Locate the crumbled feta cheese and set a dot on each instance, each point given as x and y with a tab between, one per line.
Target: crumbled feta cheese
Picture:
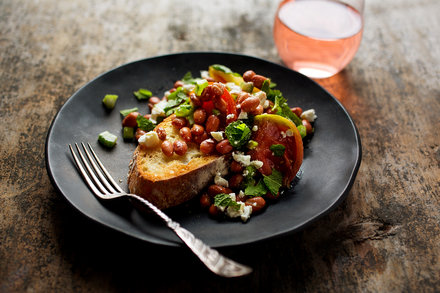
309	115
219	180
246	214
266	104
233	88
245	172
157	111
243	115
217	135
244	160
257	164
149	139
255	128
262	97
283	134
230	116
241	194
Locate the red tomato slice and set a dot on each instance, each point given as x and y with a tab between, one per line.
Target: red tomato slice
274	129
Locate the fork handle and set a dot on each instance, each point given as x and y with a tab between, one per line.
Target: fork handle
216	262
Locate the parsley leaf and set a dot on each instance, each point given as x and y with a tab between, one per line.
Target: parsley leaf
144	123
258	189
238	133
223	200
277	149
143	94
283	109
273	182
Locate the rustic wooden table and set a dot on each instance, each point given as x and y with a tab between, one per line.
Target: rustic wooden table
385	237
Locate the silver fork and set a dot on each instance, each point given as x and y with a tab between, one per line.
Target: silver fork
104	187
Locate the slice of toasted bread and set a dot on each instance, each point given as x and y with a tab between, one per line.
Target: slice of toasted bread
170	181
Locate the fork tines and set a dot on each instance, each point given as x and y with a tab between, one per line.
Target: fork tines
97	177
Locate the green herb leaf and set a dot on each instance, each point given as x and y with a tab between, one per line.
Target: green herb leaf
277	149
282	108
258	189
184	110
125	112
265	87
187	78
238	133
144	123
224	200
221	68
201	84
273	182
143	94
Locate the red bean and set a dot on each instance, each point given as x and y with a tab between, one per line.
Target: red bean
205	201
224	147
197	130
167	148
213	211
200	116
218	89
241	97
250	104
207	146
195	100
259	110
236	167
154	100
247	76
215	189
308	126
257	203
258	80
139	132
161	133
130	120
185	133
212	124
199	138
180	147
297	111
179	122
235	181
178	84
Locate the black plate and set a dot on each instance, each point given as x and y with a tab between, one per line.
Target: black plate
331	158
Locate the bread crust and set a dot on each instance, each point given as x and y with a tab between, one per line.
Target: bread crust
168	182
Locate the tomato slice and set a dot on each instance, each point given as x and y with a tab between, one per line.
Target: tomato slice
274	129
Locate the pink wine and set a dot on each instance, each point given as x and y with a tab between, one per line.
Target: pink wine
317	37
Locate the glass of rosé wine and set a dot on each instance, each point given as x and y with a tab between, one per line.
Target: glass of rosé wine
318	37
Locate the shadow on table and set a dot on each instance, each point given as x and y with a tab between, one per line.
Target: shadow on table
98	255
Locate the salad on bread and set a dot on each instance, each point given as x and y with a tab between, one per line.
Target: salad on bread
230	139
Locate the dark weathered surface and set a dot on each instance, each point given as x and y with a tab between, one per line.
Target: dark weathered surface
384	237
